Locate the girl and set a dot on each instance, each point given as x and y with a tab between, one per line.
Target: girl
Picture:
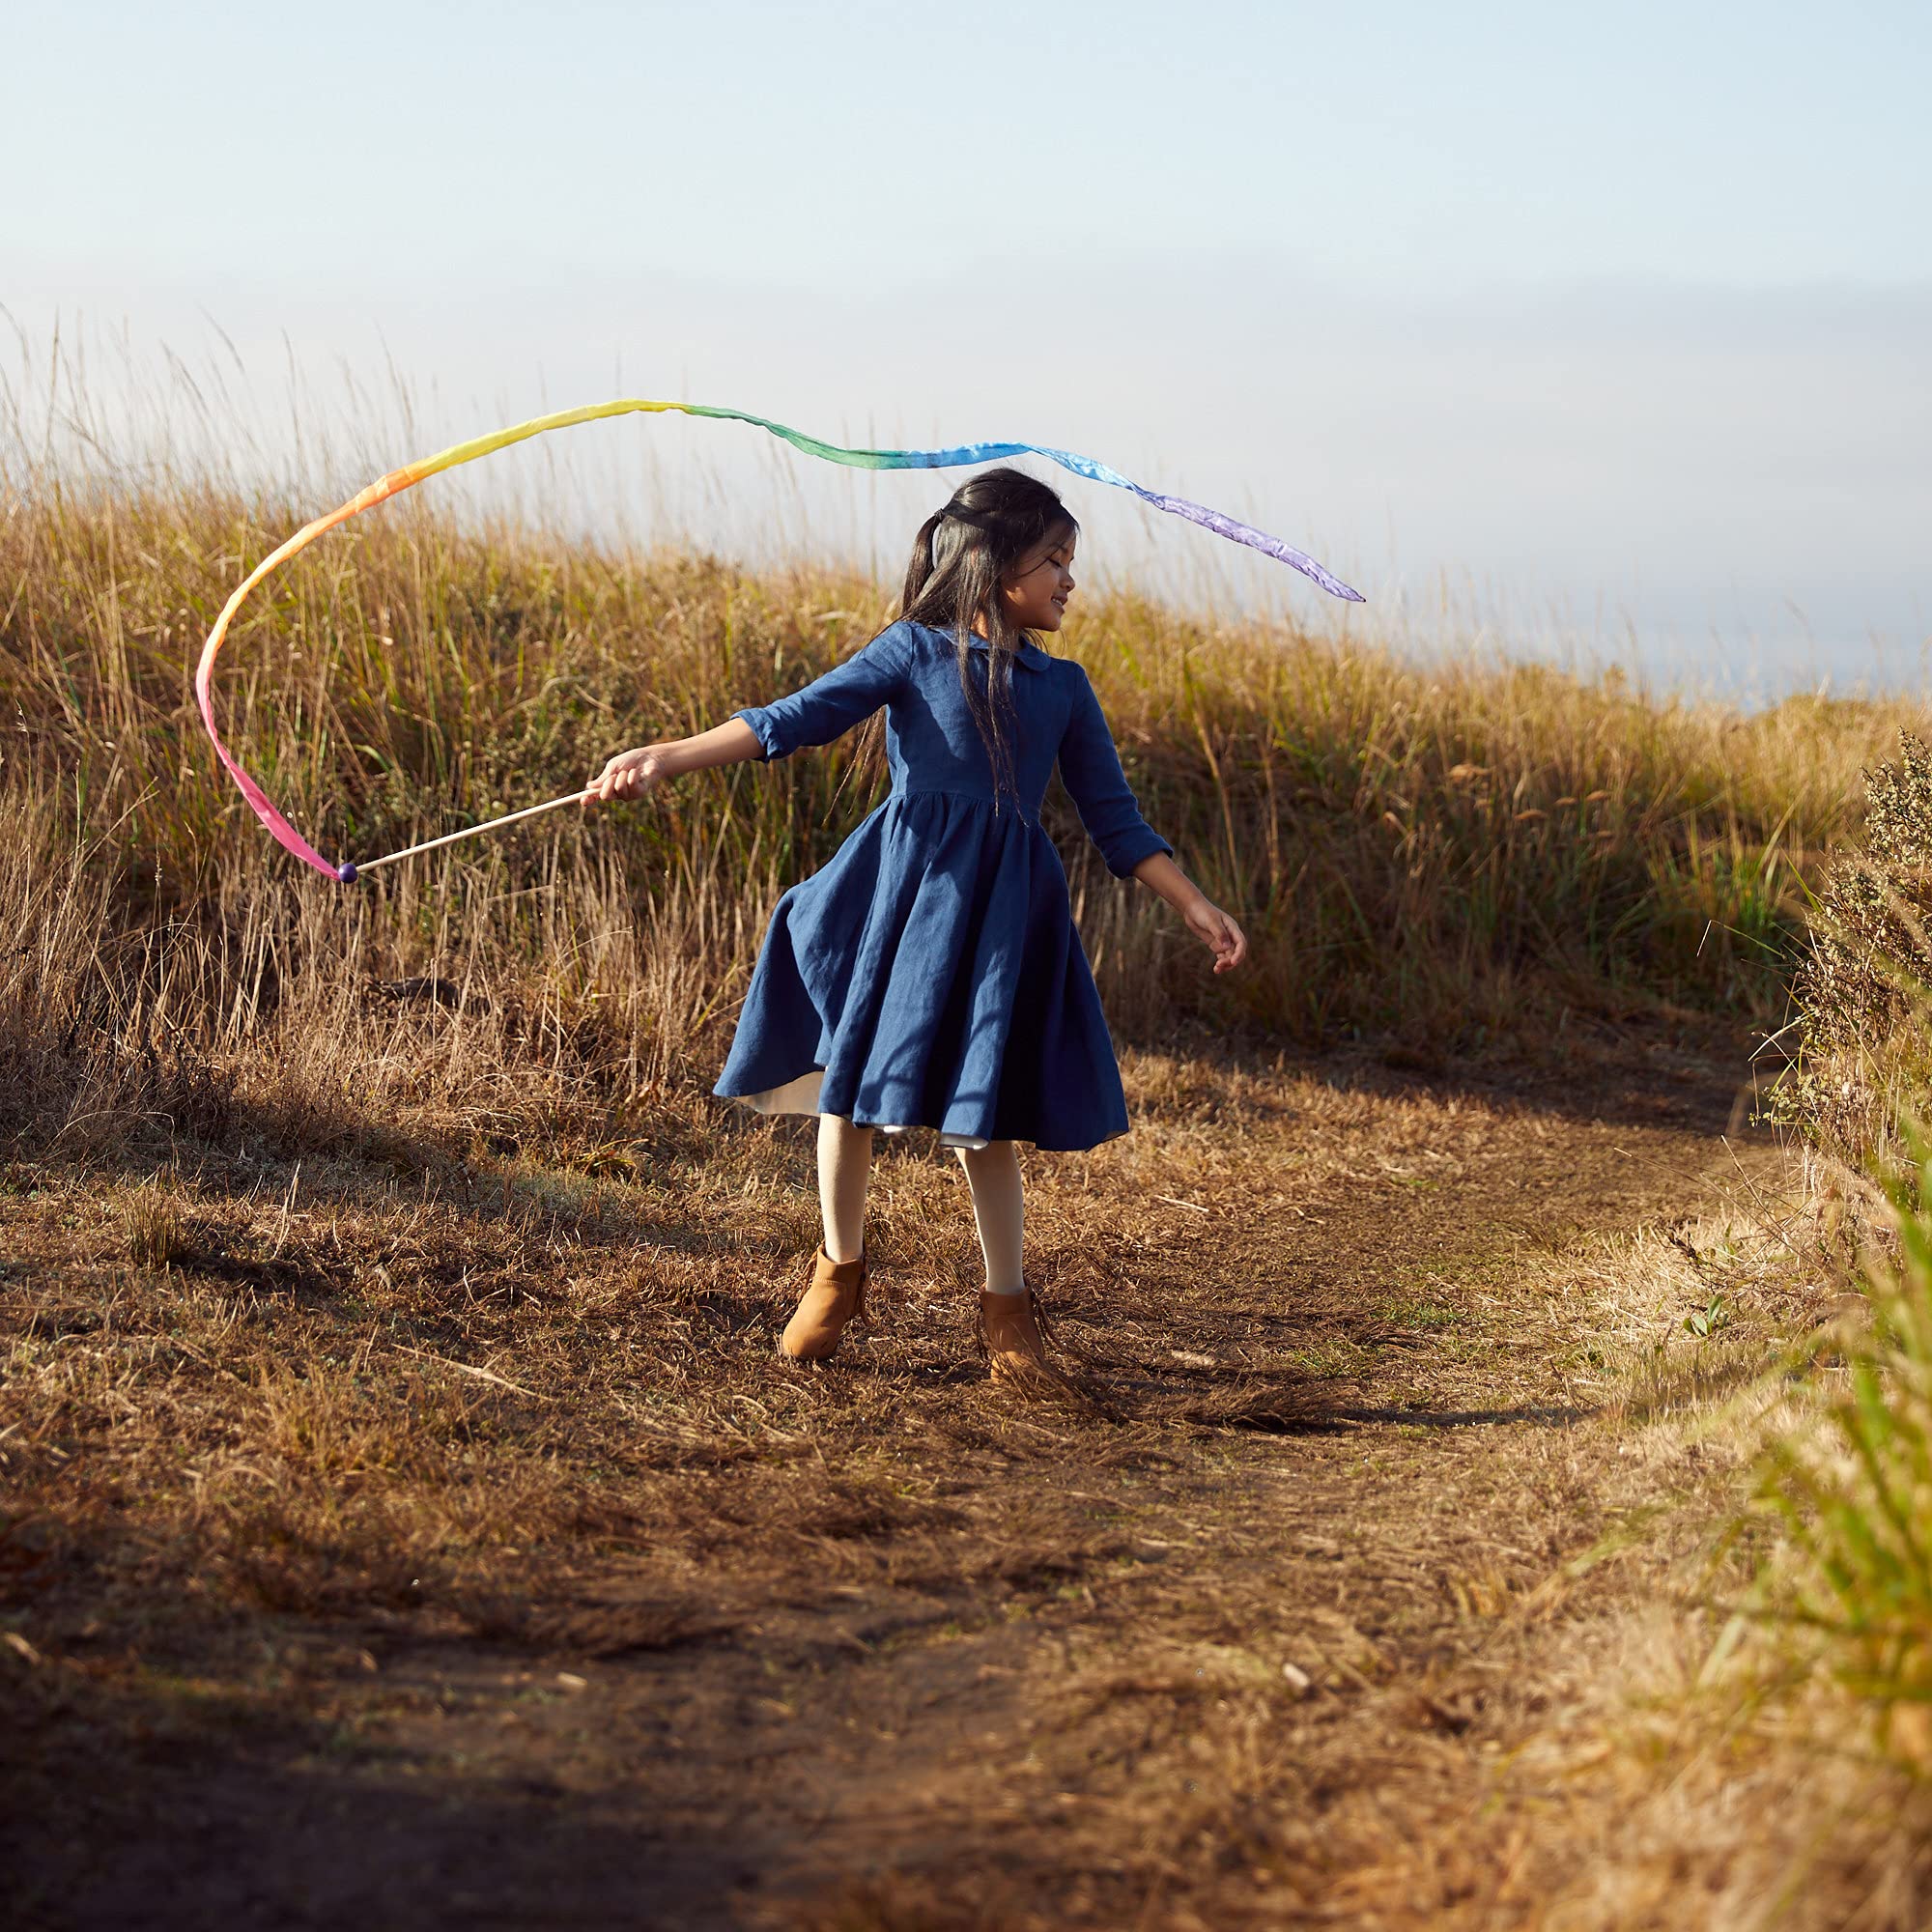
930	974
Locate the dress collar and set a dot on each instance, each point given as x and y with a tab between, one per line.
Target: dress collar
1027	654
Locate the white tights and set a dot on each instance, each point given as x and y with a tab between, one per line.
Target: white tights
844	1166
992	1172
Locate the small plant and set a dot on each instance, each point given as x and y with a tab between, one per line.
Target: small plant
155	1229
1713	1318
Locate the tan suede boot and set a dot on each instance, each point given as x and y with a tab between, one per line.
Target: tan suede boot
1015	1349
837	1292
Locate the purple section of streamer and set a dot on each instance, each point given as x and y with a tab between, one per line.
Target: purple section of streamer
1246	533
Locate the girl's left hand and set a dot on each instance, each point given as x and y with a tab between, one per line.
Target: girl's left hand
1219	933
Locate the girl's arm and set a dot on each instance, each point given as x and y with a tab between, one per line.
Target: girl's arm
632	773
1090	767
827	708
1219	933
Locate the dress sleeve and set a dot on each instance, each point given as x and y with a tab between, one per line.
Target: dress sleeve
829	706
1090	767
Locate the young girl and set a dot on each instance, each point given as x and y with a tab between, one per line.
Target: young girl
930	974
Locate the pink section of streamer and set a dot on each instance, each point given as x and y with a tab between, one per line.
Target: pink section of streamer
278	826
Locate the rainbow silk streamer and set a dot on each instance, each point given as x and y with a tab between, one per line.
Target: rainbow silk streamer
398	480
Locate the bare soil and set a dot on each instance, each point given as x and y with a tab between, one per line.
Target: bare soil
395	1536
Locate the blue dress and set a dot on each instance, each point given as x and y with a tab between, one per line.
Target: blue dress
930	973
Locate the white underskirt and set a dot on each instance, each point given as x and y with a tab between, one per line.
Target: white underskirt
801	1097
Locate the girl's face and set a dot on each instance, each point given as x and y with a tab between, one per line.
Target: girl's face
1035	590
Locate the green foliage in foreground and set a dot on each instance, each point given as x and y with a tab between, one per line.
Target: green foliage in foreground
1852	1487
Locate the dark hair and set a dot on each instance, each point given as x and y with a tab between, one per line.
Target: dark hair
958	559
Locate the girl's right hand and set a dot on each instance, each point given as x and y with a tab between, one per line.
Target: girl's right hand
629	775
1226	940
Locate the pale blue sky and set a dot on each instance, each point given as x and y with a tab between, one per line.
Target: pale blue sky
1609	308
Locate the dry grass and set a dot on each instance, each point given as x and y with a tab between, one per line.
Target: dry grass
1379	1582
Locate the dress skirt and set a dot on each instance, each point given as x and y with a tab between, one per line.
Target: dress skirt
930	975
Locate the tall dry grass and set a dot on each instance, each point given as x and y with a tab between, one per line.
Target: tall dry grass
1450	852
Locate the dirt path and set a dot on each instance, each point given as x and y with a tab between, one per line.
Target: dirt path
871	1647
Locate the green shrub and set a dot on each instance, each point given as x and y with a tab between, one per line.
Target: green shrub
1864	1053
